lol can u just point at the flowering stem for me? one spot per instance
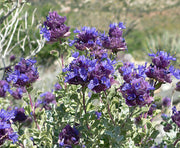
(33, 111)
(84, 102)
(172, 101)
(109, 110)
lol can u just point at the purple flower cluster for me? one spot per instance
(25, 73)
(69, 137)
(166, 102)
(87, 38)
(114, 40)
(6, 132)
(158, 70)
(178, 86)
(47, 99)
(176, 116)
(136, 90)
(90, 72)
(19, 114)
(4, 87)
(54, 28)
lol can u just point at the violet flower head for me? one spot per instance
(69, 136)
(16, 94)
(25, 73)
(20, 115)
(166, 102)
(47, 99)
(57, 86)
(152, 109)
(159, 70)
(176, 116)
(137, 92)
(93, 73)
(162, 59)
(4, 87)
(12, 58)
(6, 132)
(114, 40)
(54, 28)
(98, 114)
(87, 38)
(175, 72)
(160, 74)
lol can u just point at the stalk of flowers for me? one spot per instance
(158, 70)
(114, 39)
(6, 132)
(92, 73)
(53, 28)
(136, 90)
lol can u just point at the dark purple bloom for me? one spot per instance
(114, 41)
(87, 38)
(167, 127)
(90, 72)
(57, 86)
(151, 109)
(6, 132)
(20, 115)
(4, 86)
(166, 102)
(69, 136)
(54, 28)
(175, 72)
(24, 73)
(176, 116)
(160, 74)
(137, 92)
(17, 94)
(98, 114)
(12, 58)
(47, 99)
(161, 59)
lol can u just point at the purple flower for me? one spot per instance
(12, 58)
(137, 92)
(176, 117)
(161, 59)
(24, 73)
(54, 28)
(151, 109)
(166, 102)
(87, 38)
(114, 41)
(167, 127)
(6, 132)
(20, 115)
(175, 72)
(160, 74)
(98, 114)
(17, 94)
(47, 99)
(164, 117)
(69, 136)
(93, 73)
(4, 86)
(57, 86)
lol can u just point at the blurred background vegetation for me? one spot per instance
(151, 25)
